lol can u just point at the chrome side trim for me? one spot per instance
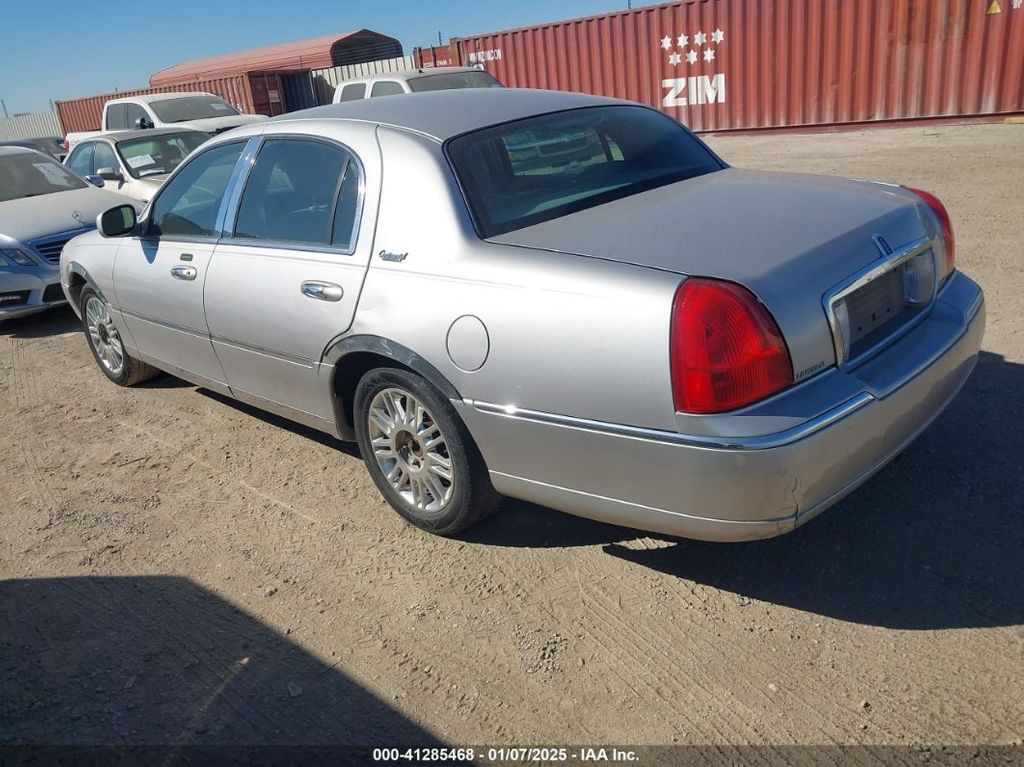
(872, 272)
(762, 442)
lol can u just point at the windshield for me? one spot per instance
(30, 174)
(191, 108)
(528, 171)
(444, 81)
(159, 154)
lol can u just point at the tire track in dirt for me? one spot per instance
(663, 656)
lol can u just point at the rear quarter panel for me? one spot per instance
(565, 334)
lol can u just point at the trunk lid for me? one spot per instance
(789, 238)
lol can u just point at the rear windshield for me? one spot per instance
(30, 174)
(191, 108)
(444, 81)
(528, 171)
(159, 154)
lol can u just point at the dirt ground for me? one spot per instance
(177, 568)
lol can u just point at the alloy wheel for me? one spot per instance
(104, 336)
(411, 450)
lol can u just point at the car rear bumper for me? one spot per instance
(43, 287)
(732, 481)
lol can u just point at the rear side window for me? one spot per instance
(81, 159)
(117, 116)
(188, 204)
(525, 172)
(386, 88)
(135, 113)
(353, 92)
(293, 194)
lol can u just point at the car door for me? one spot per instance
(159, 276)
(287, 280)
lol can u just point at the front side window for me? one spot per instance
(188, 204)
(103, 157)
(80, 160)
(451, 80)
(117, 116)
(293, 192)
(544, 167)
(159, 154)
(30, 174)
(353, 92)
(184, 108)
(386, 88)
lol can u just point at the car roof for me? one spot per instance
(409, 74)
(126, 135)
(151, 97)
(11, 149)
(446, 113)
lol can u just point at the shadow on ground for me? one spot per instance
(52, 322)
(935, 540)
(162, 661)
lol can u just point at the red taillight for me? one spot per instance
(945, 225)
(65, 145)
(726, 350)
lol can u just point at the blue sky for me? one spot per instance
(60, 49)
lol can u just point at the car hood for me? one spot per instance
(31, 217)
(787, 237)
(220, 124)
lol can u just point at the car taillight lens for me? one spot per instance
(65, 144)
(726, 350)
(945, 226)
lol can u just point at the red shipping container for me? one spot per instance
(739, 64)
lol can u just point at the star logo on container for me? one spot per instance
(704, 46)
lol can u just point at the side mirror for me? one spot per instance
(95, 181)
(116, 222)
(109, 174)
(143, 122)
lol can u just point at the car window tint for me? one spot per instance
(117, 116)
(158, 154)
(345, 223)
(386, 88)
(134, 113)
(81, 160)
(103, 157)
(524, 172)
(188, 204)
(353, 92)
(290, 193)
(452, 80)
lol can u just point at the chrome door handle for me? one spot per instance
(183, 272)
(324, 291)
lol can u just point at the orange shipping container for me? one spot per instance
(736, 64)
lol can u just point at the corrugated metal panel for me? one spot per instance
(334, 75)
(324, 51)
(30, 126)
(326, 80)
(86, 113)
(731, 64)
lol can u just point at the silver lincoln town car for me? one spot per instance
(561, 298)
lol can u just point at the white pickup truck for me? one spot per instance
(190, 109)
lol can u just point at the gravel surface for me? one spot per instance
(179, 569)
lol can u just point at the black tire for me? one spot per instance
(472, 496)
(132, 371)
